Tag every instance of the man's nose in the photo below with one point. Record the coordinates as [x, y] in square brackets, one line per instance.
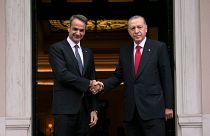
[77, 31]
[137, 30]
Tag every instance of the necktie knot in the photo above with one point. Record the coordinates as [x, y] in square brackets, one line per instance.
[76, 46]
[138, 48]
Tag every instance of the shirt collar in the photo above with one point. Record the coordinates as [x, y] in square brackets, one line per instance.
[72, 44]
[141, 44]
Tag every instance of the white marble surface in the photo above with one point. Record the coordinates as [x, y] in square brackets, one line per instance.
[18, 126]
[18, 58]
[188, 68]
[2, 126]
[206, 125]
[205, 48]
[18, 68]
[187, 55]
[2, 58]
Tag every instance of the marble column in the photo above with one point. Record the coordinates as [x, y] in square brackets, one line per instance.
[2, 68]
[205, 55]
[18, 68]
[188, 67]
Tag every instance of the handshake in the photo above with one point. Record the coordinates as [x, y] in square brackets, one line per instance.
[96, 86]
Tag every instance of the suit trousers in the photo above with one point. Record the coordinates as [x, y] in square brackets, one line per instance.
[72, 124]
[139, 127]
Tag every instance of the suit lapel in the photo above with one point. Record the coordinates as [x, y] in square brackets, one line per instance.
[85, 59]
[145, 56]
[71, 55]
[131, 57]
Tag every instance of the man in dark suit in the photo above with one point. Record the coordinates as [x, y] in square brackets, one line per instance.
[144, 68]
[74, 106]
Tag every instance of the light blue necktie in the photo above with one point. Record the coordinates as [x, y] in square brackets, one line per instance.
[78, 58]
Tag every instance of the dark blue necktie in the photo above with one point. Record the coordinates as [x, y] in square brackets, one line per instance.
[78, 58]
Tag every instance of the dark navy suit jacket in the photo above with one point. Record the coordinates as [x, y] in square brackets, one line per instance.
[151, 91]
[71, 87]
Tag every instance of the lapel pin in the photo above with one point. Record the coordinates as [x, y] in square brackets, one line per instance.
[148, 49]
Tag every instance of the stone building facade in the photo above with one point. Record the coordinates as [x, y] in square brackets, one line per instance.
[191, 71]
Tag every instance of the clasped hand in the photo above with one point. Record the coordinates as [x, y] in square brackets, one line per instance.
[96, 86]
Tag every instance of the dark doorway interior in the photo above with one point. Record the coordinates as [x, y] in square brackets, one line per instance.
[105, 45]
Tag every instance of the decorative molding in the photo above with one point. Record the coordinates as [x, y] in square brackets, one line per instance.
[2, 126]
[15, 126]
[206, 124]
[18, 126]
[16, 122]
[190, 120]
[92, 25]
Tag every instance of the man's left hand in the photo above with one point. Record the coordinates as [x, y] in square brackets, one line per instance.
[93, 119]
[168, 114]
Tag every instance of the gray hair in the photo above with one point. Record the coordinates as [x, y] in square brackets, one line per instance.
[80, 17]
[137, 16]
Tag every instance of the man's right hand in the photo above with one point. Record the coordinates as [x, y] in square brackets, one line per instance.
[96, 86]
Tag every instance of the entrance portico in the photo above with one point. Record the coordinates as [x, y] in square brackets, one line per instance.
[192, 75]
